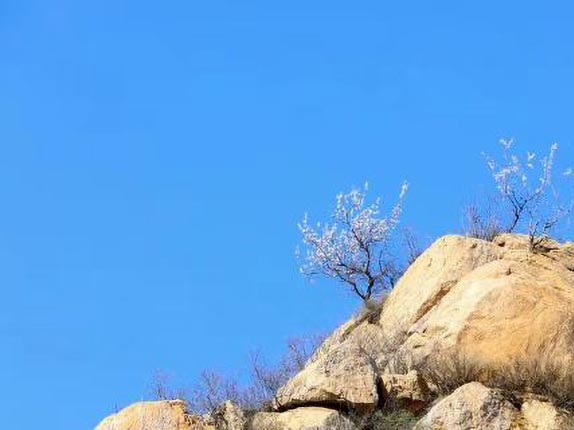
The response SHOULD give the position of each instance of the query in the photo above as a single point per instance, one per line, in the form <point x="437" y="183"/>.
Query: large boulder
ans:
<point x="346" y="375"/>
<point x="519" y="305"/>
<point x="496" y="302"/>
<point x="310" y="418"/>
<point x="471" y="407"/>
<point x="160" y="415"/>
<point x="538" y="415"/>
<point x="476" y="407"/>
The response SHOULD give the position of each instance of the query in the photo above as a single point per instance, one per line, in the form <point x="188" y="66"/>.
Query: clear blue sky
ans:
<point x="156" y="157"/>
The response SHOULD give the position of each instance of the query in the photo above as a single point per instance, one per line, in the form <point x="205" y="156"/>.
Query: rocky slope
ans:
<point x="492" y="303"/>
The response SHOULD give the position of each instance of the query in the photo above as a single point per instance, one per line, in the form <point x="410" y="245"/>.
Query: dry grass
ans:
<point x="371" y="310"/>
<point x="445" y="372"/>
<point x="481" y="222"/>
<point x="544" y="375"/>
<point x="212" y="388"/>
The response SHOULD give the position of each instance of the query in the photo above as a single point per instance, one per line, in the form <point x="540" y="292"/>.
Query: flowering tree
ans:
<point x="526" y="188"/>
<point x="354" y="247"/>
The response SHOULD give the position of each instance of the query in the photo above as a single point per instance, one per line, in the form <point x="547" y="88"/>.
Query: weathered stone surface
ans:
<point x="160" y="415"/>
<point x="431" y="278"/>
<point x="229" y="416"/>
<point x="539" y="415"/>
<point x="520" y="305"/>
<point x="471" y="407"/>
<point x="409" y="391"/>
<point x="310" y="418"/>
<point x="495" y="301"/>
<point x="346" y="375"/>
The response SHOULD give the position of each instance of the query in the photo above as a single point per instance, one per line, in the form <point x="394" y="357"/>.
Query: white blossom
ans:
<point x="507" y="144"/>
<point x="527" y="188"/>
<point x="353" y="248"/>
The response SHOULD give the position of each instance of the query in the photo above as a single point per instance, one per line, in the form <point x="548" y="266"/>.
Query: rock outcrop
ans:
<point x="494" y="301"/>
<point x="310" y="418"/>
<point x="160" y="415"/>
<point x="476" y="407"/>
<point x="409" y="391"/>
<point x="344" y="376"/>
<point x="471" y="407"/>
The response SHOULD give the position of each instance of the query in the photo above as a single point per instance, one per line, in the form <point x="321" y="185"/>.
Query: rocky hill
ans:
<point x="476" y="335"/>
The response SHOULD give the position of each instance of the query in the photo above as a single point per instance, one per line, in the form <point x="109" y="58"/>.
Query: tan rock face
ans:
<point x="471" y="407"/>
<point x="408" y="391"/>
<point x="543" y="416"/>
<point x="495" y="301"/>
<point x="161" y="415"/>
<point x="310" y="418"/>
<point x="345" y="375"/>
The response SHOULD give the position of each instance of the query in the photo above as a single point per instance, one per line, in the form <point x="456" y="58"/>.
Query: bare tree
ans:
<point x="264" y="379"/>
<point x="161" y="388"/>
<point x="354" y="247"/>
<point x="528" y="192"/>
<point x="412" y="245"/>
<point x="212" y="390"/>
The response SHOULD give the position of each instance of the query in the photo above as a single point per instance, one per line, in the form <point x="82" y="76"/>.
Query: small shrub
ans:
<point x="481" y="221"/>
<point x="445" y="372"/>
<point x="161" y="388"/>
<point x="541" y="375"/>
<point x="388" y="420"/>
<point x="383" y="351"/>
<point x="398" y="362"/>
<point x="300" y="350"/>
<point x="371" y="310"/>
<point x="213" y="388"/>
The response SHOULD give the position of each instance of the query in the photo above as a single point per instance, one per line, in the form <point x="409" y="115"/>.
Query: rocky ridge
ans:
<point x="492" y="303"/>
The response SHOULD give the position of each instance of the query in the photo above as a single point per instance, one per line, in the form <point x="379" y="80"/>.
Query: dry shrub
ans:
<point x="398" y="361"/>
<point x="300" y="350"/>
<point x="445" y="372"/>
<point x="387" y="420"/>
<point x="162" y="388"/>
<point x="212" y="390"/>
<point x="481" y="222"/>
<point x="371" y="310"/>
<point x="542" y="375"/>
<point x="384" y="351"/>
<point x="264" y="379"/>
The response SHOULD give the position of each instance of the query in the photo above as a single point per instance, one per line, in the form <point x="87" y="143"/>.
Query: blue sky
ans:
<point x="155" y="159"/>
